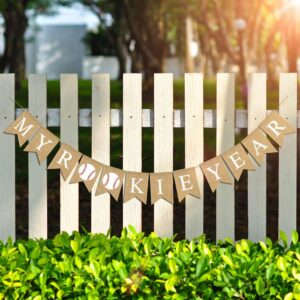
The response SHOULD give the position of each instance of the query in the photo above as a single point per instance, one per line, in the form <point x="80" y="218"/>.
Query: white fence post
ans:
<point x="37" y="190"/>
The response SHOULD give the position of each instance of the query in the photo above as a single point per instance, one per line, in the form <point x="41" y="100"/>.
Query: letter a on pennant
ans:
<point x="186" y="183"/>
<point x="66" y="160"/>
<point x="161" y="185"/>
<point x="276" y="127"/>
<point x="257" y="144"/>
<point x="42" y="144"/>
<point x="237" y="160"/>
<point x="136" y="186"/>
<point x="215" y="171"/>
<point x="25" y="126"/>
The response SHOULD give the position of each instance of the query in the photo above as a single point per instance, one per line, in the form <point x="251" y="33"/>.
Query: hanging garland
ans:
<point x="77" y="167"/>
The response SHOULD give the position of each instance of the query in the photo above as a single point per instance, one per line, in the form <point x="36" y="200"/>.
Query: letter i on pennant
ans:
<point x="66" y="160"/>
<point x="25" y="126"/>
<point x="161" y="186"/>
<point x="42" y="144"/>
<point x="215" y="171"/>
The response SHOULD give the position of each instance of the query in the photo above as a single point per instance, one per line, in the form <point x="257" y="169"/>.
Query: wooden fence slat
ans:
<point x="163" y="147"/>
<point x="37" y="189"/>
<point x="257" y="180"/>
<point x="7" y="158"/>
<point x="69" y="209"/>
<point x="132" y="142"/>
<point x="225" y="140"/>
<point x="194" y="150"/>
<point x="101" y="147"/>
<point x="287" y="219"/>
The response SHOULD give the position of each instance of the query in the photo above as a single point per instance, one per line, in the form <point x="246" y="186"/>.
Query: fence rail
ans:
<point x="194" y="118"/>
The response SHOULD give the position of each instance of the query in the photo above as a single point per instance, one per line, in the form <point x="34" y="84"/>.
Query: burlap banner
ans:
<point x="215" y="171"/>
<point x="186" y="183"/>
<point x="42" y="144"/>
<point x="66" y="160"/>
<point x="110" y="180"/>
<point x="87" y="171"/>
<point x="25" y="126"/>
<point x="136" y="186"/>
<point x="237" y="160"/>
<point x="161" y="185"/>
<point x="276" y="127"/>
<point x="257" y="144"/>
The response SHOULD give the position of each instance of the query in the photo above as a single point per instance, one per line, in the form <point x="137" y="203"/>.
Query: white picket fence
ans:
<point x="163" y="118"/>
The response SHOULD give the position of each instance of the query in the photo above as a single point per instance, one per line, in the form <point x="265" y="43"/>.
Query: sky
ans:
<point x="77" y="14"/>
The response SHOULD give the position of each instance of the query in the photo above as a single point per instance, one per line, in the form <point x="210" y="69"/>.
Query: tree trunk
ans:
<point x="13" y="60"/>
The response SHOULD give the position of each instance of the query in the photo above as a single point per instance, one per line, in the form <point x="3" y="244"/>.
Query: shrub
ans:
<point x="135" y="266"/>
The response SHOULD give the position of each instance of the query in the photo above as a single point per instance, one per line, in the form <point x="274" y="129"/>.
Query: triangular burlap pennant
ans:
<point x="215" y="171"/>
<point x="257" y="144"/>
<point x="161" y="186"/>
<point x="65" y="159"/>
<point x="25" y="126"/>
<point x="186" y="183"/>
<point x="88" y="171"/>
<point x="237" y="160"/>
<point x="111" y="181"/>
<point x="276" y="127"/>
<point x="136" y="186"/>
<point x="42" y="144"/>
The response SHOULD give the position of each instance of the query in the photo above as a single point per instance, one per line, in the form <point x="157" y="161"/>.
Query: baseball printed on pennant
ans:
<point x="87" y="172"/>
<point x="111" y="181"/>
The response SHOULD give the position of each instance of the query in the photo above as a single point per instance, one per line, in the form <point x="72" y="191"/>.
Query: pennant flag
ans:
<point x="215" y="171"/>
<point x="257" y="144"/>
<point x="25" y="126"/>
<point x="42" y="144"/>
<point x="65" y="159"/>
<point x="88" y="171"/>
<point x="186" y="183"/>
<point x="237" y="160"/>
<point x="111" y="181"/>
<point x="276" y="127"/>
<point x="161" y="186"/>
<point x="136" y="186"/>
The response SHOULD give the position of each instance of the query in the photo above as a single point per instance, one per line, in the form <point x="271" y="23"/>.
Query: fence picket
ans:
<point x="287" y="217"/>
<point x="37" y="186"/>
<point x="194" y="150"/>
<point x="101" y="146"/>
<point x="69" y="209"/>
<point x="257" y="191"/>
<point x="225" y="140"/>
<point x="7" y="161"/>
<point x="163" y="147"/>
<point x="132" y="142"/>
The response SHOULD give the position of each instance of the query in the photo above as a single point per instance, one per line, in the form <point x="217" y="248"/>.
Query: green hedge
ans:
<point x="135" y="266"/>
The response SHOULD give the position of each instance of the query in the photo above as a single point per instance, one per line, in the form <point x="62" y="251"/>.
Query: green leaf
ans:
<point x="172" y="265"/>
<point x="170" y="284"/>
<point x="74" y="246"/>
<point x="289" y="296"/>
<point x="284" y="238"/>
<point x="227" y="260"/>
<point x="281" y="264"/>
<point x="201" y="265"/>
<point x="270" y="271"/>
<point x="295" y="237"/>
<point x="259" y="286"/>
